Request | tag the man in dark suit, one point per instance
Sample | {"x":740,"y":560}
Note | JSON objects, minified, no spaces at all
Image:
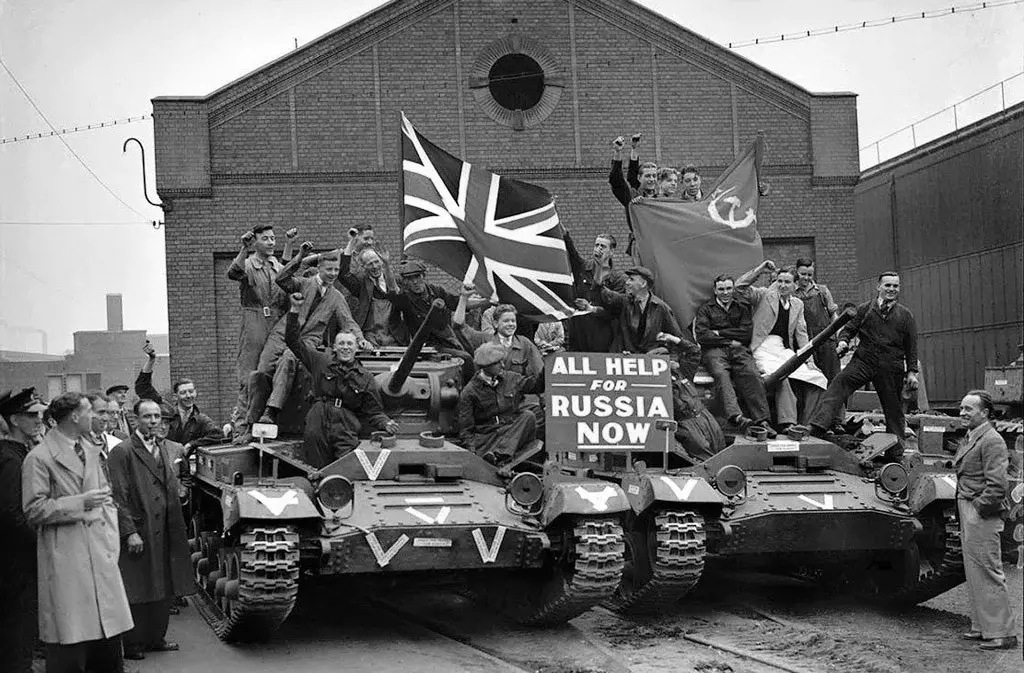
{"x":370,"y":286}
{"x":323,"y":305}
{"x":154,"y":557}
{"x":981,"y":471}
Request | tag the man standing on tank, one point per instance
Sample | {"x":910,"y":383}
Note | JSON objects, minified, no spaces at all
{"x":885,"y":357}
{"x":255,"y":269}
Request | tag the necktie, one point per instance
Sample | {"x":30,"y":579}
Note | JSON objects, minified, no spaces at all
{"x":80,"y":452}
{"x":317,"y":298}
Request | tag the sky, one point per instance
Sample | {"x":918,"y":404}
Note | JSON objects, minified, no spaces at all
{"x":66,"y":240}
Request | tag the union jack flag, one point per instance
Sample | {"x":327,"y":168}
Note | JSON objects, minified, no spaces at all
{"x":501,"y":235}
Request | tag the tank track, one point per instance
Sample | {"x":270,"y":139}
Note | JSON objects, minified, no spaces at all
{"x":937,"y":579}
{"x":252,"y":605}
{"x":596,"y":567}
{"x":677,"y":567}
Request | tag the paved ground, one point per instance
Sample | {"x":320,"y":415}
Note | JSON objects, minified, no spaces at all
{"x":422,"y":633}
{"x":354,"y":639}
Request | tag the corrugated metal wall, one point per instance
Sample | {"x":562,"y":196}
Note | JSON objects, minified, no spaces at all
{"x":949,"y":216}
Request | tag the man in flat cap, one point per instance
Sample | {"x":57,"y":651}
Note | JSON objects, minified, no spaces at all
{"x":23,"y":413}
{"x":642,"y":315}
{"x":492,"y":423}
{"x":414,"y":301}
{"x":123,"y":420}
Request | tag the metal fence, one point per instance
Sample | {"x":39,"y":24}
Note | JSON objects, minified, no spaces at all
{"x":988,"y":101}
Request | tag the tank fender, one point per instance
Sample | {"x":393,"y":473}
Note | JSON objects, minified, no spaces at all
{"x":929,"y":487}
{"x":582,"y":497}
{"x":278,"y":502}
{"x":643,"y":490}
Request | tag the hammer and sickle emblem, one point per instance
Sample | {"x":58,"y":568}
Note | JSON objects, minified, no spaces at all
{"x":734,"y":204}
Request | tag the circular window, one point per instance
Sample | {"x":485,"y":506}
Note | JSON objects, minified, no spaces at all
{"x":516,"y":82}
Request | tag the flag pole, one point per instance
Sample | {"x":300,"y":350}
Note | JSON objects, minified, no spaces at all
{"x":401,"y":184}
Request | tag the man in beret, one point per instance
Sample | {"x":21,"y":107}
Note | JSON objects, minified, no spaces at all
{"x":492,"y":423}
{"x":23,"y":414}
{"x":124,"y":420}
{"x":642,"y":315}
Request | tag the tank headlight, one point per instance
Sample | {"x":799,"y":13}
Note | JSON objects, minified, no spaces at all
{"x":334,"y":492}
{"x":893,"y":478}
{"x":731,"y":480}
{"x":526,"y":489}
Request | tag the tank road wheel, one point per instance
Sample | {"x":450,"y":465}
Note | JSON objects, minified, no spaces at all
{"x":664,"y":561}
{"x":584,"y":574}
{"x":938,"y":557}
{"x":259,"y":584}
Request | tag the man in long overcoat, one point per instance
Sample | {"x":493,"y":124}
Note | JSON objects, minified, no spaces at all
{"x":154,"y":557}
{"x":83,"y":609}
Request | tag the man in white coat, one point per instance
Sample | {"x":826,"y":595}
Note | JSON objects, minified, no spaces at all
{"x":83,"y":609}
{"x":780,"y":330}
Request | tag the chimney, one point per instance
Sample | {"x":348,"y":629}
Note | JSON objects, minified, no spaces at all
{"x":115,"y":319}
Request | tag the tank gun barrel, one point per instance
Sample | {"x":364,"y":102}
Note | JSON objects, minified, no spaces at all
{"x":405,"y":365}
{"x":804,"y":354}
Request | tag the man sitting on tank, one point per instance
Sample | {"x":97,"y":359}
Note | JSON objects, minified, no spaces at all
{"x":492,"y":422}
{"x":346,"y":396}
{"x":698,"y":432}
{"x":779,"y":330}
{"x":521,"y":355}
{"x":723,"y":327}
{"x":367,"y":276}
{"x":414,"y":300}
{"x":642,"y":315}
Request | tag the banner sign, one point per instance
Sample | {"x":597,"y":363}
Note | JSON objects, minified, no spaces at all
{"x":605,"y":402}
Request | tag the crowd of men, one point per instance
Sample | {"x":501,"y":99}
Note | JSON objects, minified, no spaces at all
{"x":84,"y":477}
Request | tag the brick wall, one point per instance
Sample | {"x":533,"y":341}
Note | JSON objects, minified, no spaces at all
{"x":311,"y":141}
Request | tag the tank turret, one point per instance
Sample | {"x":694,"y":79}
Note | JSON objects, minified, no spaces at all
{"x":419,"y":386}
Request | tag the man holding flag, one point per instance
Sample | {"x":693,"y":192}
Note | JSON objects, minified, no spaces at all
{"x":691,"y":243}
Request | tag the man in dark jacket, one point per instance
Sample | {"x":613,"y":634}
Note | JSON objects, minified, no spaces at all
{"x":187,"y":426}
{"x":596,"y":332}
{"x":885,"y":357}
{"x":154,"y":550}
{"x":370,"y":286}
{"x":345,"y":394}
{"x":23,"y":414}
{"x":641,"y":315}
{"x":981,"y":471}
{"x":647,"y":179}
{"x":723,"y":327}
{"x":492,"y":422}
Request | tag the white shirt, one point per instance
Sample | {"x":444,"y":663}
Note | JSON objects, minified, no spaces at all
{"x":506,"y":341}
{"x":149,"y":444}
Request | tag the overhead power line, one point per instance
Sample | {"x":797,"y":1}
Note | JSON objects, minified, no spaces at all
{"x":871,"y":23}
{"x":61,"y":138}
{"x":76,"y":224}
{"x":768,"y":39}
{"x":75,"y":129}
